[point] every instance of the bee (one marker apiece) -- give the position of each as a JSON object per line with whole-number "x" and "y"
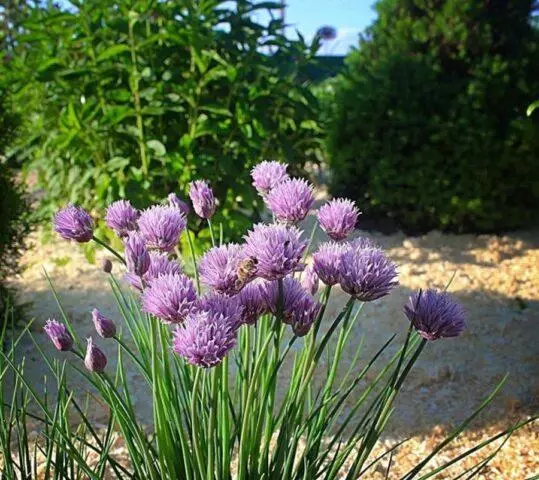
{"x": 246, "y": 271}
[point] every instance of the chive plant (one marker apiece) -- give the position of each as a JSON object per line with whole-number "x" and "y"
{"x": 212, "y": 347}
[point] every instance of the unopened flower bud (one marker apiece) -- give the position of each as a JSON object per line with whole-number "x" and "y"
{"x": 106, "y": 265}
{"x": 103, "y": 325}
{"x": 95, "y": 360}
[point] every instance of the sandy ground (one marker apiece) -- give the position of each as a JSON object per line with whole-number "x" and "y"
{"x": 496, "y": 278}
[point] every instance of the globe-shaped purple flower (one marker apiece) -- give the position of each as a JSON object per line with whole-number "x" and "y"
{"x": 290, "y": 200}
{"x": 327, "y": 261}
{"x": 277, "y": 250}
{"x": 122, "y": 217}
{"x": 266, "y": 175}
{"x": 252, "y": 300}
{"x": 161, "y": 264}
{"x": 176, "y": 202}
{"x": 338, "y": 218}
{"x": 170, "y": 297}
{"x": 205, "y": 338}
{"x": 59, "y": 335}
{"x": 95, "y": 360}
{"x": 299, "y": 307}
{"x": 367, "y": 274}
{"x": 435, "y": 314}
{"x": 137, "y": 257}
{"x": 228, "y": 307}
{"x": 223, "y": 269}
{"x": 161, "y": 227}
{"x": 74, "y": 223}
{"x": 104, "y": 326}
{"x": 202, "y": 198}
{"x": 310, "y": 280}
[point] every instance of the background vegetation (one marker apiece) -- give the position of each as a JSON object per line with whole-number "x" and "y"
{"x": 136, "y": 98}
{"x": 429, "y": 122}
{"x": 15, "y": 219}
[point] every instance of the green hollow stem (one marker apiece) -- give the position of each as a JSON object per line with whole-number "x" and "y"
{"x": 244, "y": 440}
{"x": 212, "y": 235}
{"x": 193, "y": 259}
{"x": 109, "y": 248}
{"x": 195, "y": 425}
{"x": 212, "y": 421}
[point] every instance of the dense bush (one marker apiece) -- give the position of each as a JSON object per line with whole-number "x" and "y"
{"x": 429, "y": 124}
{"x": 14, "y": 207}
{"x": 136, "y": 98}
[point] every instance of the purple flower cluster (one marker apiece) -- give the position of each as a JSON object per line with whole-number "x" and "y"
{"x": 435, "y": 314}
{"x": 290, "y": 200}
{"x": 170, "y": 297}
{"x": 251, "y": 298}
{"x": 367, "y": 274}
{"x": 338, "y": 218}
{"x": 266, "y": 175}
{"x": 224, "y": 269}
{"x": 361, "y": 269}
{"x": 74, "y": 223}
{"x": 161, "y": 227}
{"x": 245, "y": 281}
{"x": 122, "y": 217}
{"x": 137, "y": 258}
{"x": 202, "y": 198}
{"x": 327, "y": 262}
{"x": 229, "y": 307}
{"x": 299, "y": 308}
{"x": 277, "y": 250}
{"x": 205, "y": 338}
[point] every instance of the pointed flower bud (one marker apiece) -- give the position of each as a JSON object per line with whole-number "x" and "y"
{"x": 137, "y": 257}
{"x": 106, "y": 265}
{"x": 103, "y": 325}
{"x": 309, "y": 280}
{"x": 95, "y": 360}
{"x": 203, "y": 199}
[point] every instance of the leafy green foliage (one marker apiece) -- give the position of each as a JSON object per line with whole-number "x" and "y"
{"x": 135, "y": 99}
{"x": 429, "y": 121}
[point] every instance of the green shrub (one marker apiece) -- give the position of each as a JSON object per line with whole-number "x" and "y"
{"x": 134, "y": 99}
{"x": 428, "y": 125}
{"x": 14, "y": 209}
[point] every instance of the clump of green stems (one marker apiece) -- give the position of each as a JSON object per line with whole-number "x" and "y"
{"x": 221, "y": 423}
